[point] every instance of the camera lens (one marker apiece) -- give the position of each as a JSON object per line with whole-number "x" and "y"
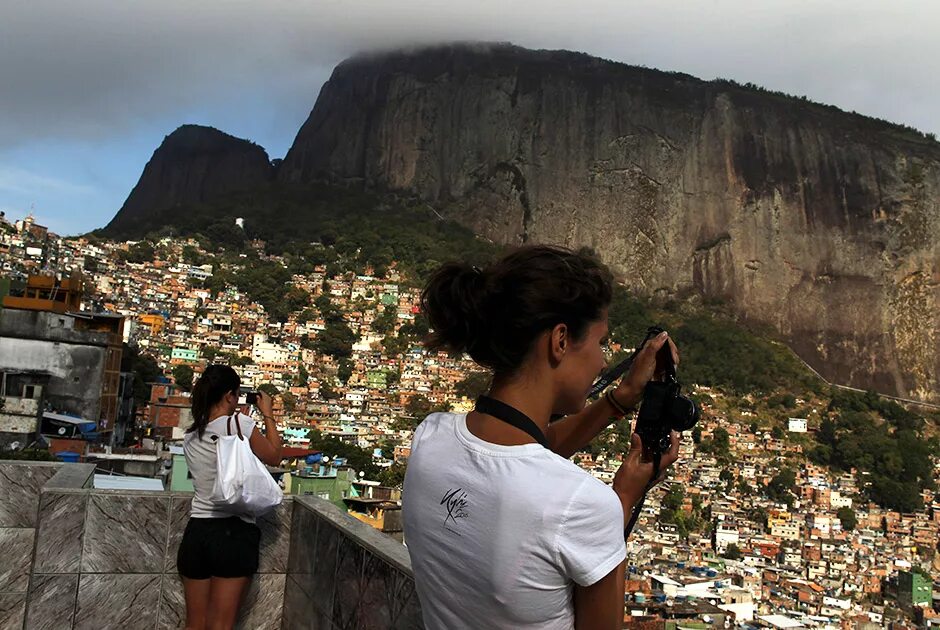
{"x": 684, "y": 413}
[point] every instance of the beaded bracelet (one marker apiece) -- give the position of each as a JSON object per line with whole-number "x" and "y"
{"x": 609, "y": 397}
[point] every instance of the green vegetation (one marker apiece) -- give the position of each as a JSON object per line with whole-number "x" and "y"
{"x": 394, "y": 475}
{"x": 336, "y": 340}
{"x": 358, "y": 458}
{"x": 884, "y": 440}
{"x": 358, "y": 227}
{"x": 719, "y": 445}
{"x": 716, "y": 351}
{"x": 732, "y": 552}
{"x": 846, "y": 516}
{"x": 145, "y": 370}
{"x": 782, "y": 487}
{"x": 142, "y": 252}
{"x": 671, "y": 512}
{"x": 183, "y": 376}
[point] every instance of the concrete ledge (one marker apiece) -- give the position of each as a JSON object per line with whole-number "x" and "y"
{"x": 71, "y": 477}
{"x": 385, "y": 547}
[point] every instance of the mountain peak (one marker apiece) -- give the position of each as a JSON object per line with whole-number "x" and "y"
{"x": 192, "y": 165}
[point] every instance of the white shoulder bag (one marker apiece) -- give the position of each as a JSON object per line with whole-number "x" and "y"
{"x": 242, "y": 484}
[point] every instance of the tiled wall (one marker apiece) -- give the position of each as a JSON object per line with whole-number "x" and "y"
{"x": 76, "y": 558}
{"x": 107, "y": 559}
{"x": 345, "y": 575}
{"x": 20, "y": 485}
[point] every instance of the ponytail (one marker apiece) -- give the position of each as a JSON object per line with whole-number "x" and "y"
{"x": 215, "y": 382}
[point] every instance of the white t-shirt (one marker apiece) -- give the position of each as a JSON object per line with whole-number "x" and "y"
{"x": 499, "y": 535}
{"x": 201, "y": 459}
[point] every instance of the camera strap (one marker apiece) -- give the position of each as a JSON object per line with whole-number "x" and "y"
{"x": 657, "y": 457}
{"x": 512, "y": 416}
{"x": 621, "y": 368}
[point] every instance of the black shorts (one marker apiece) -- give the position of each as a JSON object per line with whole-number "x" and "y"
{"x": 218, "y": 547}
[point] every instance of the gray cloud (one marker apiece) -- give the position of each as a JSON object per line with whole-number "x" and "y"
{"x": 90, "y": 70}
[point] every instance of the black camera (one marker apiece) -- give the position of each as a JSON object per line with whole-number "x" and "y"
{"x": 664, "y": 409}
{"x": 251, "y": 398}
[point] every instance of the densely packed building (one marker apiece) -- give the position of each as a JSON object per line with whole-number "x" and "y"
{"x": 725, "y": 551}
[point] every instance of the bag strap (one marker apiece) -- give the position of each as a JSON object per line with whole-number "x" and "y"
{"x": 238, "y": 426}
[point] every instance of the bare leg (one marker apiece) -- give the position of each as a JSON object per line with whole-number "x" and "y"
{"x": 197, "y": 603}
{"x": 225, "y": 598}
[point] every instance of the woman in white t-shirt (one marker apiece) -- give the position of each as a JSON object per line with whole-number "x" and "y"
{"x": 219, "y": 552}
{"x": 503, "y": 530}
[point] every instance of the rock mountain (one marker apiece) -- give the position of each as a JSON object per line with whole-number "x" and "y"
{"x": 822, "y": 224}
{"x": 192, "y": 165}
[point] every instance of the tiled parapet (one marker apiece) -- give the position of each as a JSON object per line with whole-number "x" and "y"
{"x": 20, "y": 485}
{"x": 59, "y": 536}
{"x": 77, "y": 557}
{"x": 84, "y": 558}
{"x": 344, "y": 574}
{"x": 125, "y": 533}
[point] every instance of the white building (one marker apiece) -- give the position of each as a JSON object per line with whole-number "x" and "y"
{"x": 797, "y": 425}
{"x": 726, "y": 535}
{"x": 836, "y": 500}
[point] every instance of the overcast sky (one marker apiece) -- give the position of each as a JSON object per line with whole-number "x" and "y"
{"x": 89, "y": 89}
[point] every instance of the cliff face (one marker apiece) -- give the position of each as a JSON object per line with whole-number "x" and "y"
{"x": 821, "y": 223}
{"x": 193, "y": 164}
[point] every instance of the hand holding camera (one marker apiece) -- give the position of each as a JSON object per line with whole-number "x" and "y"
{"x": 664, "y": 413}
{"x": 633, "y": 478}
{"x": 647, "y": 366}
{"x": 265, "y": 404}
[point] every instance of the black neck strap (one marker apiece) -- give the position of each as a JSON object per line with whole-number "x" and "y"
{"x": 512, "y": 416}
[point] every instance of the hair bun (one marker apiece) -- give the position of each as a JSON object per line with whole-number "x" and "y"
{"x": 454, "y": 304}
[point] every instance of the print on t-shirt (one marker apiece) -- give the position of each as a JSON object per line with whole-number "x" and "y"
{"x": 455, "y": 504}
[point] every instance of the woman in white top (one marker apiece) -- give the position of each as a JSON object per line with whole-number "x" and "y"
{"x": 503, "y": 530}
{"x": 219, "y": 551}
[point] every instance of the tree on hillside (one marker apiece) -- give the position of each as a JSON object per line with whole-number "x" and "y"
{"x": 344, "y": 371}
{"x": 145, "y": 370}
{"x": 719, "y": 445}
{"x": 358, "y": 458}
{"x": 183, "y": 376}
{"x": 336, "y": 340}
{"x": 846, "y": 516}
{"x": 782, "y": 486}
{"x": 674, "y": 498}
{"x": 732, "y": 552}
{"x": 394, "y": 475}
{"x": 473, "y": 385}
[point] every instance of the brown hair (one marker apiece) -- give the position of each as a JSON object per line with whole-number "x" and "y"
{"x": 495, "y": 314}
{"x": 216, "y": 381}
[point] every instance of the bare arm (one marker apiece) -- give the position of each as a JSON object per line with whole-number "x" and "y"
{"x": 571, "y": 434}
{"x": 600, "y": 605}
{"x": 267, "y": 447}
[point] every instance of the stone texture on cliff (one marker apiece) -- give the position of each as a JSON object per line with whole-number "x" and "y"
{"x": 821, "y": 223}
{"x": 194, "y": 164}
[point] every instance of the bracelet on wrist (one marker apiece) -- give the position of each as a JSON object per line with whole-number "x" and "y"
{"x": 613, "y": 402}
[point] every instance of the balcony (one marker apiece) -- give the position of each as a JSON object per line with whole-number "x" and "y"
{"x": 77, "y": 557}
